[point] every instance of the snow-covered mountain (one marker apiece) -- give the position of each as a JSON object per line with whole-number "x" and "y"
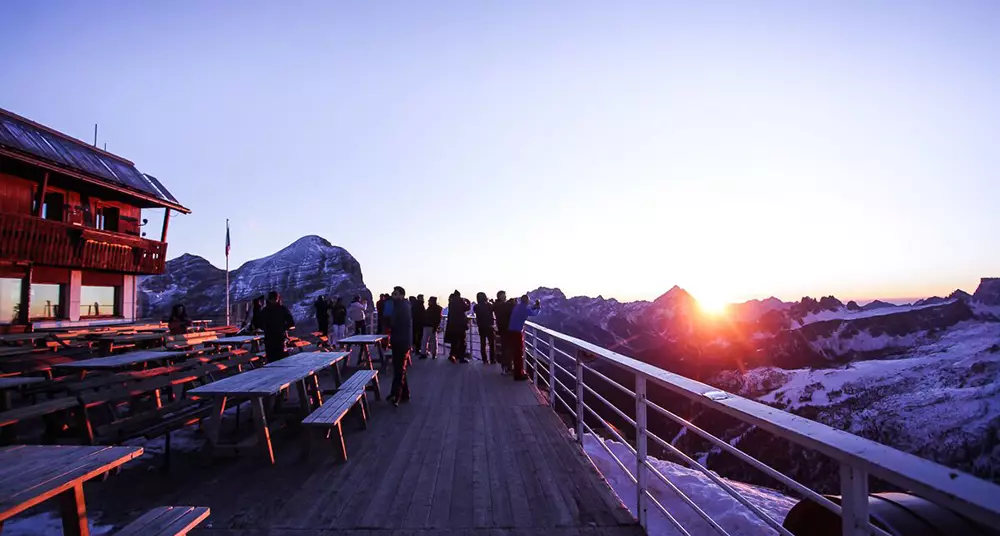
{"x": 307, "y": 268}
{"x": 923, "y": 377}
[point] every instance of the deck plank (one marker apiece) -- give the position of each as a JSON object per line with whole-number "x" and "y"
{"x": 474, "y": 452}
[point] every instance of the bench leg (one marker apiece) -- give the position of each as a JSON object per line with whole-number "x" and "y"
{"x": 74, "y": 512}
{"x": 341, "y": 447}
{"x": 263, "y": 434}
{"x": 375, "y": 387}
{"x": 363, "y": 411}
{"x": 86, "y": 430}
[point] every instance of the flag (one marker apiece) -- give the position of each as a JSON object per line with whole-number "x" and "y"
{"x": 227, "y": 238}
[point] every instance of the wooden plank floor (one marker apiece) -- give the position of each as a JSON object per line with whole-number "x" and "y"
{"x": 473, "y": 453}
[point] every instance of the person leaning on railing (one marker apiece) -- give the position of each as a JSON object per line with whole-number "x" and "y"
{"x": 515, "y": 333}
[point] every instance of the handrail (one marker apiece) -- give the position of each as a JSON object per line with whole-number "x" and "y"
{"x": 859, "y": 457}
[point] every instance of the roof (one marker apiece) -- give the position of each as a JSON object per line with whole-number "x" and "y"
{"x": 24, "y": 136}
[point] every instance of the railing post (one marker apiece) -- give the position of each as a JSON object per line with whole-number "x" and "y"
{"x": 580, "y": 415}
{"x": 641, "y": 474}
{"x": 552, "y": 372}
{"x": 534, "y": 355}
{"x": 853, "y": 500}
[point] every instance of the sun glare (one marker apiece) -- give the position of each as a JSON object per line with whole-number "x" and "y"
{"x": 712, "y": 306}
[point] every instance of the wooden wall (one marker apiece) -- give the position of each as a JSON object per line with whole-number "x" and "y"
{"x": 16, "y": 194}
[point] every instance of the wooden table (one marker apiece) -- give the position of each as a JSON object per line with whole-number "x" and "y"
{"x": 257, "y": 385}
{"x": 364, "y": 341}
{"x": 239, "y": 340}
{"x": 13, "y": 339}
{"x": 11, "y": 383}
{"x": 200, "y": 324}
{"x": 126, "y": 360}
{"x": 315, "y": 362}
{"x": 108, "y": 342}
{"x": 32, "y": 474}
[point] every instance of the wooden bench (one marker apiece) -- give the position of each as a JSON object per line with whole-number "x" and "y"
{"x": 329, "y": 416}
{"x": 41, "y": 410}
{"x": 189, "y": 340}
{"x": 166, "y": 521}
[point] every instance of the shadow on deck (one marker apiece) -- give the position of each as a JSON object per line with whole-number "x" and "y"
{"x": 473, "y": 453}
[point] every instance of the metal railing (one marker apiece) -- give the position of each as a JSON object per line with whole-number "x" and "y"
{"x": 573, "y": 384}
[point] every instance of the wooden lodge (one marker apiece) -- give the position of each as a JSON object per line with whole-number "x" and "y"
{"x": 71, "y": 229}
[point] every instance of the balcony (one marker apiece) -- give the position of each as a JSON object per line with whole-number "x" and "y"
{"x": 28, "y": 238}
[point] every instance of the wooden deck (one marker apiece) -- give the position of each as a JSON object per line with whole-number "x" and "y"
{"x": 473, "y": 453}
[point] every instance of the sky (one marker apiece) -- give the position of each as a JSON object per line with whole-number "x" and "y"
{"x": 737, "y": 149}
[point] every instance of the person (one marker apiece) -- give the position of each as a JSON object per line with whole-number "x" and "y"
{"x": 484, "y": 321}
{"x": 418, "y": 311}
{"x": 515, "y": 332}
{"x": 356, "y": 312}
{"x": 178, "y": 322}
{"x": 381, "y": 323}
{"x": 323, "y": 315}
{"x": 501, "y": 311}
{"x": 401, "y": 322}
{"x": 432, "y": 321}
{"x": 339, "y": 314}
{"x": 275, "y": 320}
{"x": 455, "y": 332}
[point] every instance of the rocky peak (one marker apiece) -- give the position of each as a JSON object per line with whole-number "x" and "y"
{"x": 988, "y": 292}
{"x": 877, "y": 304}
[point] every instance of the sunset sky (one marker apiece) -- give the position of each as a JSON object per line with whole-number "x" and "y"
{"x": 737, "y": 149}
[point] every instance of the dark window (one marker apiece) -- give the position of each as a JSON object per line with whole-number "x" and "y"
{"x": 52, "y": 208}
{"x": 46, "y": 301}
{"x": 108, "y": 218}
{"x": 10, "y": 300}
{"x": 98, "y": 301}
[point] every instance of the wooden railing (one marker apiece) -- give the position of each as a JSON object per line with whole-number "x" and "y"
{"x": 27, "y": 238}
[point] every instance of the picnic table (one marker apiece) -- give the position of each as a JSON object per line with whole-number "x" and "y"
{"x": 257, "y": 385}
{"x": 14, "y": 339}
{"x": 363, "y": 342}
{"x": 239, "y": 340}
{"x": 108, "y": 342}
{"x": 126, "y": 360}
{"x": 32, "y": 474}
{"x": 9, "y": 384}
{"x": 314, "y": 362}
{"x": 200, "y": 324}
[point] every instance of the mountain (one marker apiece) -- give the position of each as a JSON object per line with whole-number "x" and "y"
{"x": 924, "y": 377}
{"x": 307, "y": 268}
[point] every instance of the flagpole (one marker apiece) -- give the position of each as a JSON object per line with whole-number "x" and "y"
{"x": 227, "y": 271}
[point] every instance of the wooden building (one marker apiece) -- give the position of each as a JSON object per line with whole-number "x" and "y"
{"x": 71, "y": 229}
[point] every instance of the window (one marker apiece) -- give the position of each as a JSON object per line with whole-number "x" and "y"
{"x": 52, "y": 208}
{"x": 10, "y": 300}
{"x": 97, "y": 301}
{"x": 46, "y": 301}
{"x": 107, "y": 218}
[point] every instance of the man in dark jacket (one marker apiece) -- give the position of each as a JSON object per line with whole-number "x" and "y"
{"x": 484, "y": 321}
{"x": 339, "y": 315}
{"x": 418, "y": 311}
{"x": 274, "y": 319}
{"x": 432, "y": 321}
{"x": 323, "y": 315}
{"x": 401, "y": 339}
{"x": 501, "y": 311}
{"x": 458, "y": 324}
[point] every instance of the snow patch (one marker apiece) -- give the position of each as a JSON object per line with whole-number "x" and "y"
{"x": 716, "y": 502}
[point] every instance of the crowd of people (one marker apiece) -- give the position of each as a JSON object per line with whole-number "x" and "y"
{"x": 411, "y": 327}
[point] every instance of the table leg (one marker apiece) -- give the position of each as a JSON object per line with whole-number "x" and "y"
{"x": 365, "y": 354}
{"x": 381, "y": 355}
{"x": 260, "y": 422}
{"x": 304, "y": 405}
{"x": 5, "y": 400}
{"x": 74, "y": 512}
{"x": 336, "y": 374}
{"x": 214, "y": 424}
{"x": 319, "y": 391}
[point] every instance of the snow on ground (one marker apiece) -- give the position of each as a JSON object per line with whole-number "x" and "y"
{"x": 716, "y": 502}
{"x": 846, "y": 314}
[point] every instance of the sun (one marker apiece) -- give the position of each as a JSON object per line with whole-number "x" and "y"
{"x": 712, "y": 305}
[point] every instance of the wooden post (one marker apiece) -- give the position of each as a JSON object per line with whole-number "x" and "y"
{"x": 166, "y": 222}
{"x": 41, "y": 195}
{"x": 74, "y": 511}
{"x": 24, "y": 316}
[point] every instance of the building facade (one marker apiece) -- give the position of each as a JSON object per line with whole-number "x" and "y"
{"x": 72, "y": 236}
